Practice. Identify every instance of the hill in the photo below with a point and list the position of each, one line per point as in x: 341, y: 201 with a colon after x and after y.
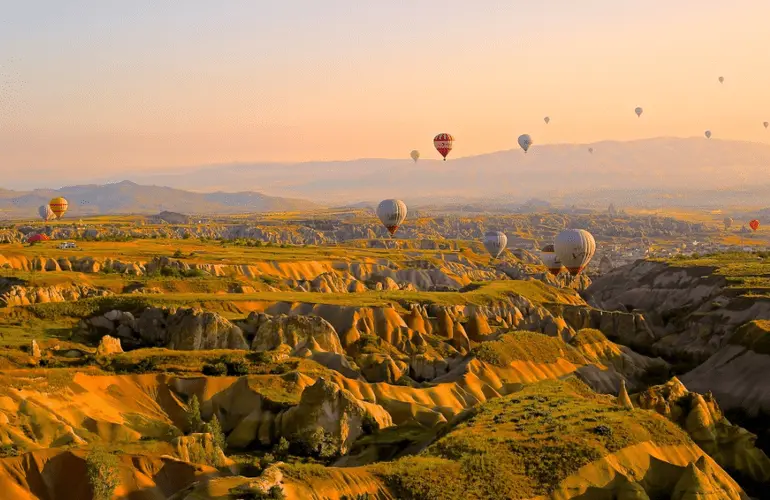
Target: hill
x: 657, y: 170
x: 129, y: 197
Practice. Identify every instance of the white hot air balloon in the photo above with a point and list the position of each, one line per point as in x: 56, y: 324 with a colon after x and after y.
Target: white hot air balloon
x: 525, y: 141
x: 638, y: 111
x: 45, y: 213
x: 766, y: 124
x: 721, y: 79
x: 495, y: 242
x: 415, y: 155
x: 547, y: 120
x: 708, y: 134
x: 392, y: 214
x: 551, y: 260
x: 575, y: 248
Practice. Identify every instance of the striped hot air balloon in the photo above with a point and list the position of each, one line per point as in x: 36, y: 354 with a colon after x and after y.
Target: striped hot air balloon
x: 58, y: 207
x: 443, y: 144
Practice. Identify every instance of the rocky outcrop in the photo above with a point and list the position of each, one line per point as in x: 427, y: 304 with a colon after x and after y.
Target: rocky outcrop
x: 340, y: 417
x: 23, y: 295
x: 193, y: 329
x: 730, y: 446
x: 108, y: 345
x: 297, y: 332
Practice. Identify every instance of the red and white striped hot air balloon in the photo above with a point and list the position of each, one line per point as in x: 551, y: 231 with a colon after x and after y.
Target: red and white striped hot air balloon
x: 443, y: 144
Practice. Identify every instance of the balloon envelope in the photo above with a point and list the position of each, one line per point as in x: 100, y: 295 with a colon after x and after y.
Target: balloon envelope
x: 35, y: 238
x: 721, y: 79
x: 495, y: 242
x: 728, y: 222
x: 766, y: 124
x: 415, y: 155
x: 638, y: 111
x: 575, y: 248
x: 58, y: 207
x: 551, y: 260
x: 443, y: 144
x: 591, y: 150
x: 708, y: 134
x: 45, y: 212
x: 754, y: 225
x: 392, y: 214
x: 525, y: 141
x: 547, y: 120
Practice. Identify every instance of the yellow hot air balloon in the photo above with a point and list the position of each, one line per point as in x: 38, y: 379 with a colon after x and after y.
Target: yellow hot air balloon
x: 58, y: 206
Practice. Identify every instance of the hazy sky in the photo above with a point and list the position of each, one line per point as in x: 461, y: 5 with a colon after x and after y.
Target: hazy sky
x: 103, y: 85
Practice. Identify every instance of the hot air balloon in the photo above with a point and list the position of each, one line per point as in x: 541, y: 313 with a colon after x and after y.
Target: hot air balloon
x: 721, y: 79
x: 550, y: 259
x: 708, y: 134
x: 766, y: 124
x: 525, y: 141
x: 415, y: 155
x: 547, y: 120
x: 754, y: 225
x: 37, y: 238
x: 45, y: 212
x: 728, y: 222
x: 443, y: 144
x: 591, y: 150
x: 574, y: 247
x: 392, y: 213
x: 495, y: 242
x: 58, y: 207
x: 638, y: 111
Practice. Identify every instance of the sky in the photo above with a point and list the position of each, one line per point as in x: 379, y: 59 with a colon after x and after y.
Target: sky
x: 104, y: 86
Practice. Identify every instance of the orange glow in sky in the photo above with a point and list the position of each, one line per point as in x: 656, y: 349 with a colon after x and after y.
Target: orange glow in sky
x: 93, y: 87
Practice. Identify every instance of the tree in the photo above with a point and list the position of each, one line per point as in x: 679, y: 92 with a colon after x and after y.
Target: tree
x: 103, y: 475
x: 194, y: 419
x: 215, y: 429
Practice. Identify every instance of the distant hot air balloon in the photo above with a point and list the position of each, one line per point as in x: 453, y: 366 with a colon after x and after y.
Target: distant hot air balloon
x: 495, y: 242
x: 443, y: 144
x: 45, y: 213
x: 728, y: 222
x: 415, y: 155
x: 58, y: 207
x: 547, y: 120
x: 575, y: 248
x: 766, y: 124
x: 721, y: 79
x: 392, y: 214
x: 525, y: 141
x: 551, y: 260
x: 37, y: 238
x: 708, y: 134
x: 638, y: 111
x: 591, y: 150
x: 754, y: 225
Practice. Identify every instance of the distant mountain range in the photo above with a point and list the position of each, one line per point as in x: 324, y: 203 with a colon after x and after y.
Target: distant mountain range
x: 643, y: 173
x: 130, y: 198
x: 679, y: 171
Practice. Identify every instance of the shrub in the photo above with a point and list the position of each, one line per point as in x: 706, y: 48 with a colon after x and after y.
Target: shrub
x: 8, y: 450
x: 178, y: 254
x: 237, y: 368
x: 281, y: 449
x: 102, y: 468
x: 215, y: 369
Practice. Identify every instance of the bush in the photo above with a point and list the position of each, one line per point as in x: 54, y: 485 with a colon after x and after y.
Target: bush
x: 281, y: 449
x: 215, y: 369
x: 178, y: 254
x: 237, y: 368
x: 103, y: 475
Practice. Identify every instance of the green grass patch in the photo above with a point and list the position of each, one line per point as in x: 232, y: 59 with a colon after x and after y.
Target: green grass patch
x: 526, y: 346
x: 525, y: 444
